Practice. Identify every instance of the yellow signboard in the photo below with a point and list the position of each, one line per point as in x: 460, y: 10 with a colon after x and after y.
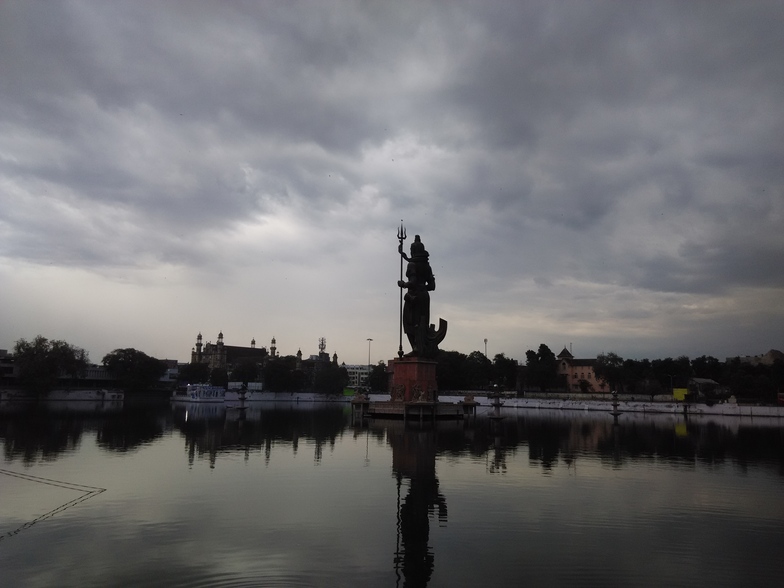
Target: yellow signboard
x: 679, y: 393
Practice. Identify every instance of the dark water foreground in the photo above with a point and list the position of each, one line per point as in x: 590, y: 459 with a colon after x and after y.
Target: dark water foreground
x: 297, y: 495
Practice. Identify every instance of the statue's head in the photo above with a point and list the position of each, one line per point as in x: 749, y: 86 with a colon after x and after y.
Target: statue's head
x: 418, y: 248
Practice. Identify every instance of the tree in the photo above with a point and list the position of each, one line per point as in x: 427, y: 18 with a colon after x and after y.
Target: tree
x: 609, y: 367
x: 548, y: 364
x: 505, y: 371
x: 754, y: 382
x: 134, y: 369
x: 672, y: 373
x: 378, y: 380
x: 245, y: 371
x: 542, y: 368
x: 330, y: 379
x: 298, y: 380
x: 42, y: 362
x: 777, y: 374
x: 637, y: 377
x: 279, y: 374
x: 451, y: 370
x: 479, y: 370
x: 219, y: 377
x: 707, y: 366
x: 194, y: 373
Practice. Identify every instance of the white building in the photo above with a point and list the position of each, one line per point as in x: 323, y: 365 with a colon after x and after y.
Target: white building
x: 357, y: 375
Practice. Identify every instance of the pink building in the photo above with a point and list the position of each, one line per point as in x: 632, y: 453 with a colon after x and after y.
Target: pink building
x: 578, y: 374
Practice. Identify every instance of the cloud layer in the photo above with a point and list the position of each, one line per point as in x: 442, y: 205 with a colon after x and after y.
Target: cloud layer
x: 588, y: 172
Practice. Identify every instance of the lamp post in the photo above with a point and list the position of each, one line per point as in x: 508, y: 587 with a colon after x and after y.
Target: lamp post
x: 485, y: 346
x: 368, y: 376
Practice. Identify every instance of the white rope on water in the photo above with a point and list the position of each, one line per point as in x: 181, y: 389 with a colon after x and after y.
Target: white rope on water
x: 87, y: 493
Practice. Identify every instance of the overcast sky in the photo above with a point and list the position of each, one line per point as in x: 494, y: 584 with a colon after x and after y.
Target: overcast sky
x: 606, y: 175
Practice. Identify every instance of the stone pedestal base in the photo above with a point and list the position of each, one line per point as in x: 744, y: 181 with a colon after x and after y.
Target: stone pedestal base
x: 412, y: 380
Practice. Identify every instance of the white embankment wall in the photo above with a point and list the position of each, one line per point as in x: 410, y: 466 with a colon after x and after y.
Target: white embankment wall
x: 572, y: 403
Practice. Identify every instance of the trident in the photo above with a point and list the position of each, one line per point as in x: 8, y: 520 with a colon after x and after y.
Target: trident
x: 401, y: 236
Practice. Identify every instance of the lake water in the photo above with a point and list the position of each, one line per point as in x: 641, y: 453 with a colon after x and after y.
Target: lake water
x: 299, y: 495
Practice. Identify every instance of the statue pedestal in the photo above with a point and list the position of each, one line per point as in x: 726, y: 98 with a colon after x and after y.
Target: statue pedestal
x: 412, y: 380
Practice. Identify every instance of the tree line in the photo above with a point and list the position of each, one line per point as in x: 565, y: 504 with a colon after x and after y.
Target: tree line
x: 279, y: 374
x: 758, y: 382
x: 458, y: 371
x: 43, y: 364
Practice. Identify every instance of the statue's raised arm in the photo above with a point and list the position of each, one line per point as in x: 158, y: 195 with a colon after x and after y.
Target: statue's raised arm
x: 403, y: 253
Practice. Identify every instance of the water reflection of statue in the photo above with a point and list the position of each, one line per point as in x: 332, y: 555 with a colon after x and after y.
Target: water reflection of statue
x: 414, y: 457
x: 417, y: 557
x: 422, y: 336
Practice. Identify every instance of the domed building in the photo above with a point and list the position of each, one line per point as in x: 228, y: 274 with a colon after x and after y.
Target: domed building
x: 219, y: 355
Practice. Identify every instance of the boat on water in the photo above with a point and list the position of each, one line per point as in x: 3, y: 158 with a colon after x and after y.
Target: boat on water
x: 199, y: 393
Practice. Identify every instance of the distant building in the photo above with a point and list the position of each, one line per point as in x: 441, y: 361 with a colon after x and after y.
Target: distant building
x: 315, y: 363
x: 218, y: 355
x: 573, y: 370
x: 221, y: 356
x: 768, y: 358
x: 7, y: 368
x: 172, y: 371
x: 323, y: 357
x: 357, y: 375
x: 704, y: 386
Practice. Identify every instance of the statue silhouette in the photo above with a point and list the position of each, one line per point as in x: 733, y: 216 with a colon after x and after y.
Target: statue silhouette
x: 420, y: 281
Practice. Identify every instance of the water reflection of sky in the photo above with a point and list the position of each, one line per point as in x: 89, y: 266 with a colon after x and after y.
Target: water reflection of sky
x: 304, y: 498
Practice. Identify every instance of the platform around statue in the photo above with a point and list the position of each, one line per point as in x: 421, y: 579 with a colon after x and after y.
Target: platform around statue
x: 412, y: 411
x: 413, y: 394
x: 412, y: 379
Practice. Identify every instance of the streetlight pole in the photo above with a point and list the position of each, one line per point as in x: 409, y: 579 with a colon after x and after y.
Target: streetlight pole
x: 368, y: 376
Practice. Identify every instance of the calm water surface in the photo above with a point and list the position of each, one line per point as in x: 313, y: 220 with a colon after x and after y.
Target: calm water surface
x: 298, y: 495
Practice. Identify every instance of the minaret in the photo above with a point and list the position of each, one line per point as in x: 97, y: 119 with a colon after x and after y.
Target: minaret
x: 299, y: 359
x: 218, y: 359
x: 273, y: 348
x: 198, y: 348
x: 253, y: 343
